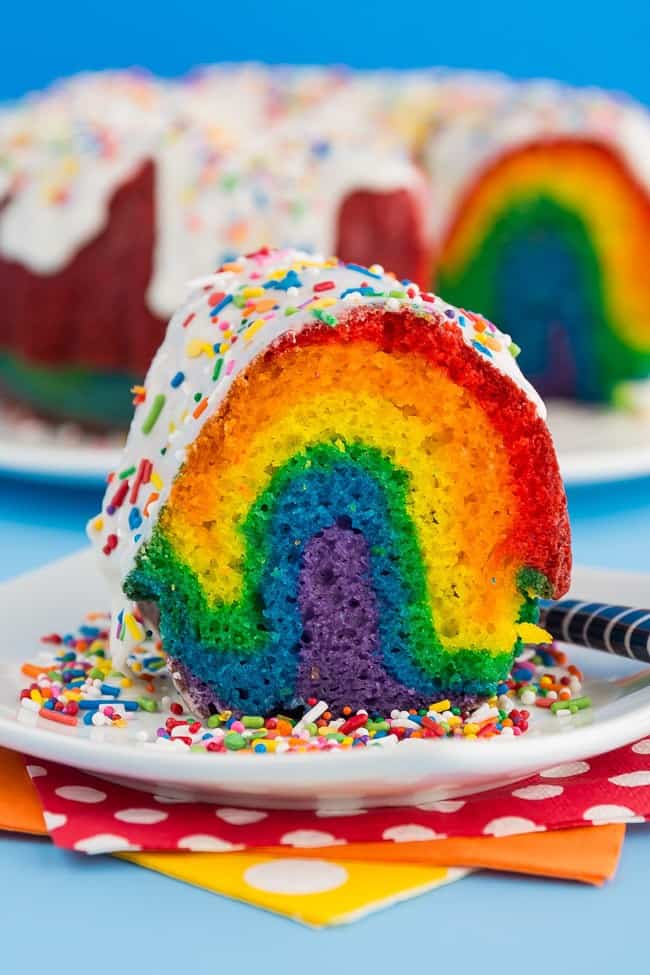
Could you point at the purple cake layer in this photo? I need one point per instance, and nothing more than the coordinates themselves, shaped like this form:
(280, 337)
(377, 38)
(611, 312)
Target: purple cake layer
(338, 658)
(199, 697)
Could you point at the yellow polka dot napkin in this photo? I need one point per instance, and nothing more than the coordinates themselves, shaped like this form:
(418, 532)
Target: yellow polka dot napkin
(321, 886)
(316, 891)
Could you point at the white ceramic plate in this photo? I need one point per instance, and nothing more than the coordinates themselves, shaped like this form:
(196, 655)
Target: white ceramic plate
(596, 445)
(57, 596)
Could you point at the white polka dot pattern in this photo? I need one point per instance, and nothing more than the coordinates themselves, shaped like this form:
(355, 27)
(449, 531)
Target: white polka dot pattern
(297, 877)
(411, 833)
(309, 837)
(442, 805)
(632, 780)
(538, 792)
(240, 817)
(565, 771)
(511, 826)
(54, 820)
(80, 793)
(610, 788)
(144, 817)
(104, 843)
(610, 813)
(204, 843)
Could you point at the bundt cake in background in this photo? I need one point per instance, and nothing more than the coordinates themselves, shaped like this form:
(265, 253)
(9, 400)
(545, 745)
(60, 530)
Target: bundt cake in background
(119, 188)
(335, 487)
(528, 201)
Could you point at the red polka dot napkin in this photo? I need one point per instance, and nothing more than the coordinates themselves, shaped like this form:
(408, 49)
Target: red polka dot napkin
(94, 816)
(584, 854)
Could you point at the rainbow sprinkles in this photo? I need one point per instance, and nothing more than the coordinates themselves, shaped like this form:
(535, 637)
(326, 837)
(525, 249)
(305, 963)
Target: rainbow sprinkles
(72, 684)
(335, 487)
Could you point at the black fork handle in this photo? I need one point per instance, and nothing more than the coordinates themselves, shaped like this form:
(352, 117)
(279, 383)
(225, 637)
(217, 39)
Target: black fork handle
(621, 630)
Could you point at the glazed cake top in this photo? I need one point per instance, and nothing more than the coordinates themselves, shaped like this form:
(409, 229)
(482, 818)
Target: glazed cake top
(242, 155)
(245, 154)
(492, 119)
(228, 318)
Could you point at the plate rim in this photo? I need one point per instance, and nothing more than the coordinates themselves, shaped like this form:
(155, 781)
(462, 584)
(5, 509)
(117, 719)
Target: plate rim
(156, 763)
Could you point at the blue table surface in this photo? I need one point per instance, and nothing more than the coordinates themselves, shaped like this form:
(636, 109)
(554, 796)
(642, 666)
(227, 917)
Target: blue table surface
(59, 910)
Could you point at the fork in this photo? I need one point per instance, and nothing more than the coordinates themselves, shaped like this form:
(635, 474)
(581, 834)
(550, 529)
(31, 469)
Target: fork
(621, 630)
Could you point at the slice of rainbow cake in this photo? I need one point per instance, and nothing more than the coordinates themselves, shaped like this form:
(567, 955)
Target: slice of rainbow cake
(335, 486)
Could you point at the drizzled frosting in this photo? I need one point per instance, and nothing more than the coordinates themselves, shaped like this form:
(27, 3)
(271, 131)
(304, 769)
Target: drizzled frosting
(481, 119)
(264, 154)
(63, 154)
(242, 155)
(248, 154)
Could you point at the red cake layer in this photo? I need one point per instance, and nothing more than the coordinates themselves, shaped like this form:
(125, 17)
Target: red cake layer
(535, 473)
(92, 312)
(386, 228)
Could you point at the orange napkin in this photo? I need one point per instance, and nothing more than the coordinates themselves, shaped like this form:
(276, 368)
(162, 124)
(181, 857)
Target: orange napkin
(589, 854)
(20, 809)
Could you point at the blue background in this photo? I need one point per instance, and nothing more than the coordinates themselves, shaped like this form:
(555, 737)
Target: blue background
(574, 40)
(58, 910)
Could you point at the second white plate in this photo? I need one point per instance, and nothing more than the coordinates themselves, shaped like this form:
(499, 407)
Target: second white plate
(34, 449)
(596, 445)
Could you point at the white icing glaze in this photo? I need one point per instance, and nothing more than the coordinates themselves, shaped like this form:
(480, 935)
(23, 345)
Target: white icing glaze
(269, 155)
(68, 151)
(295, 202)
(242, 155)
(188, 348)
(480, 121)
